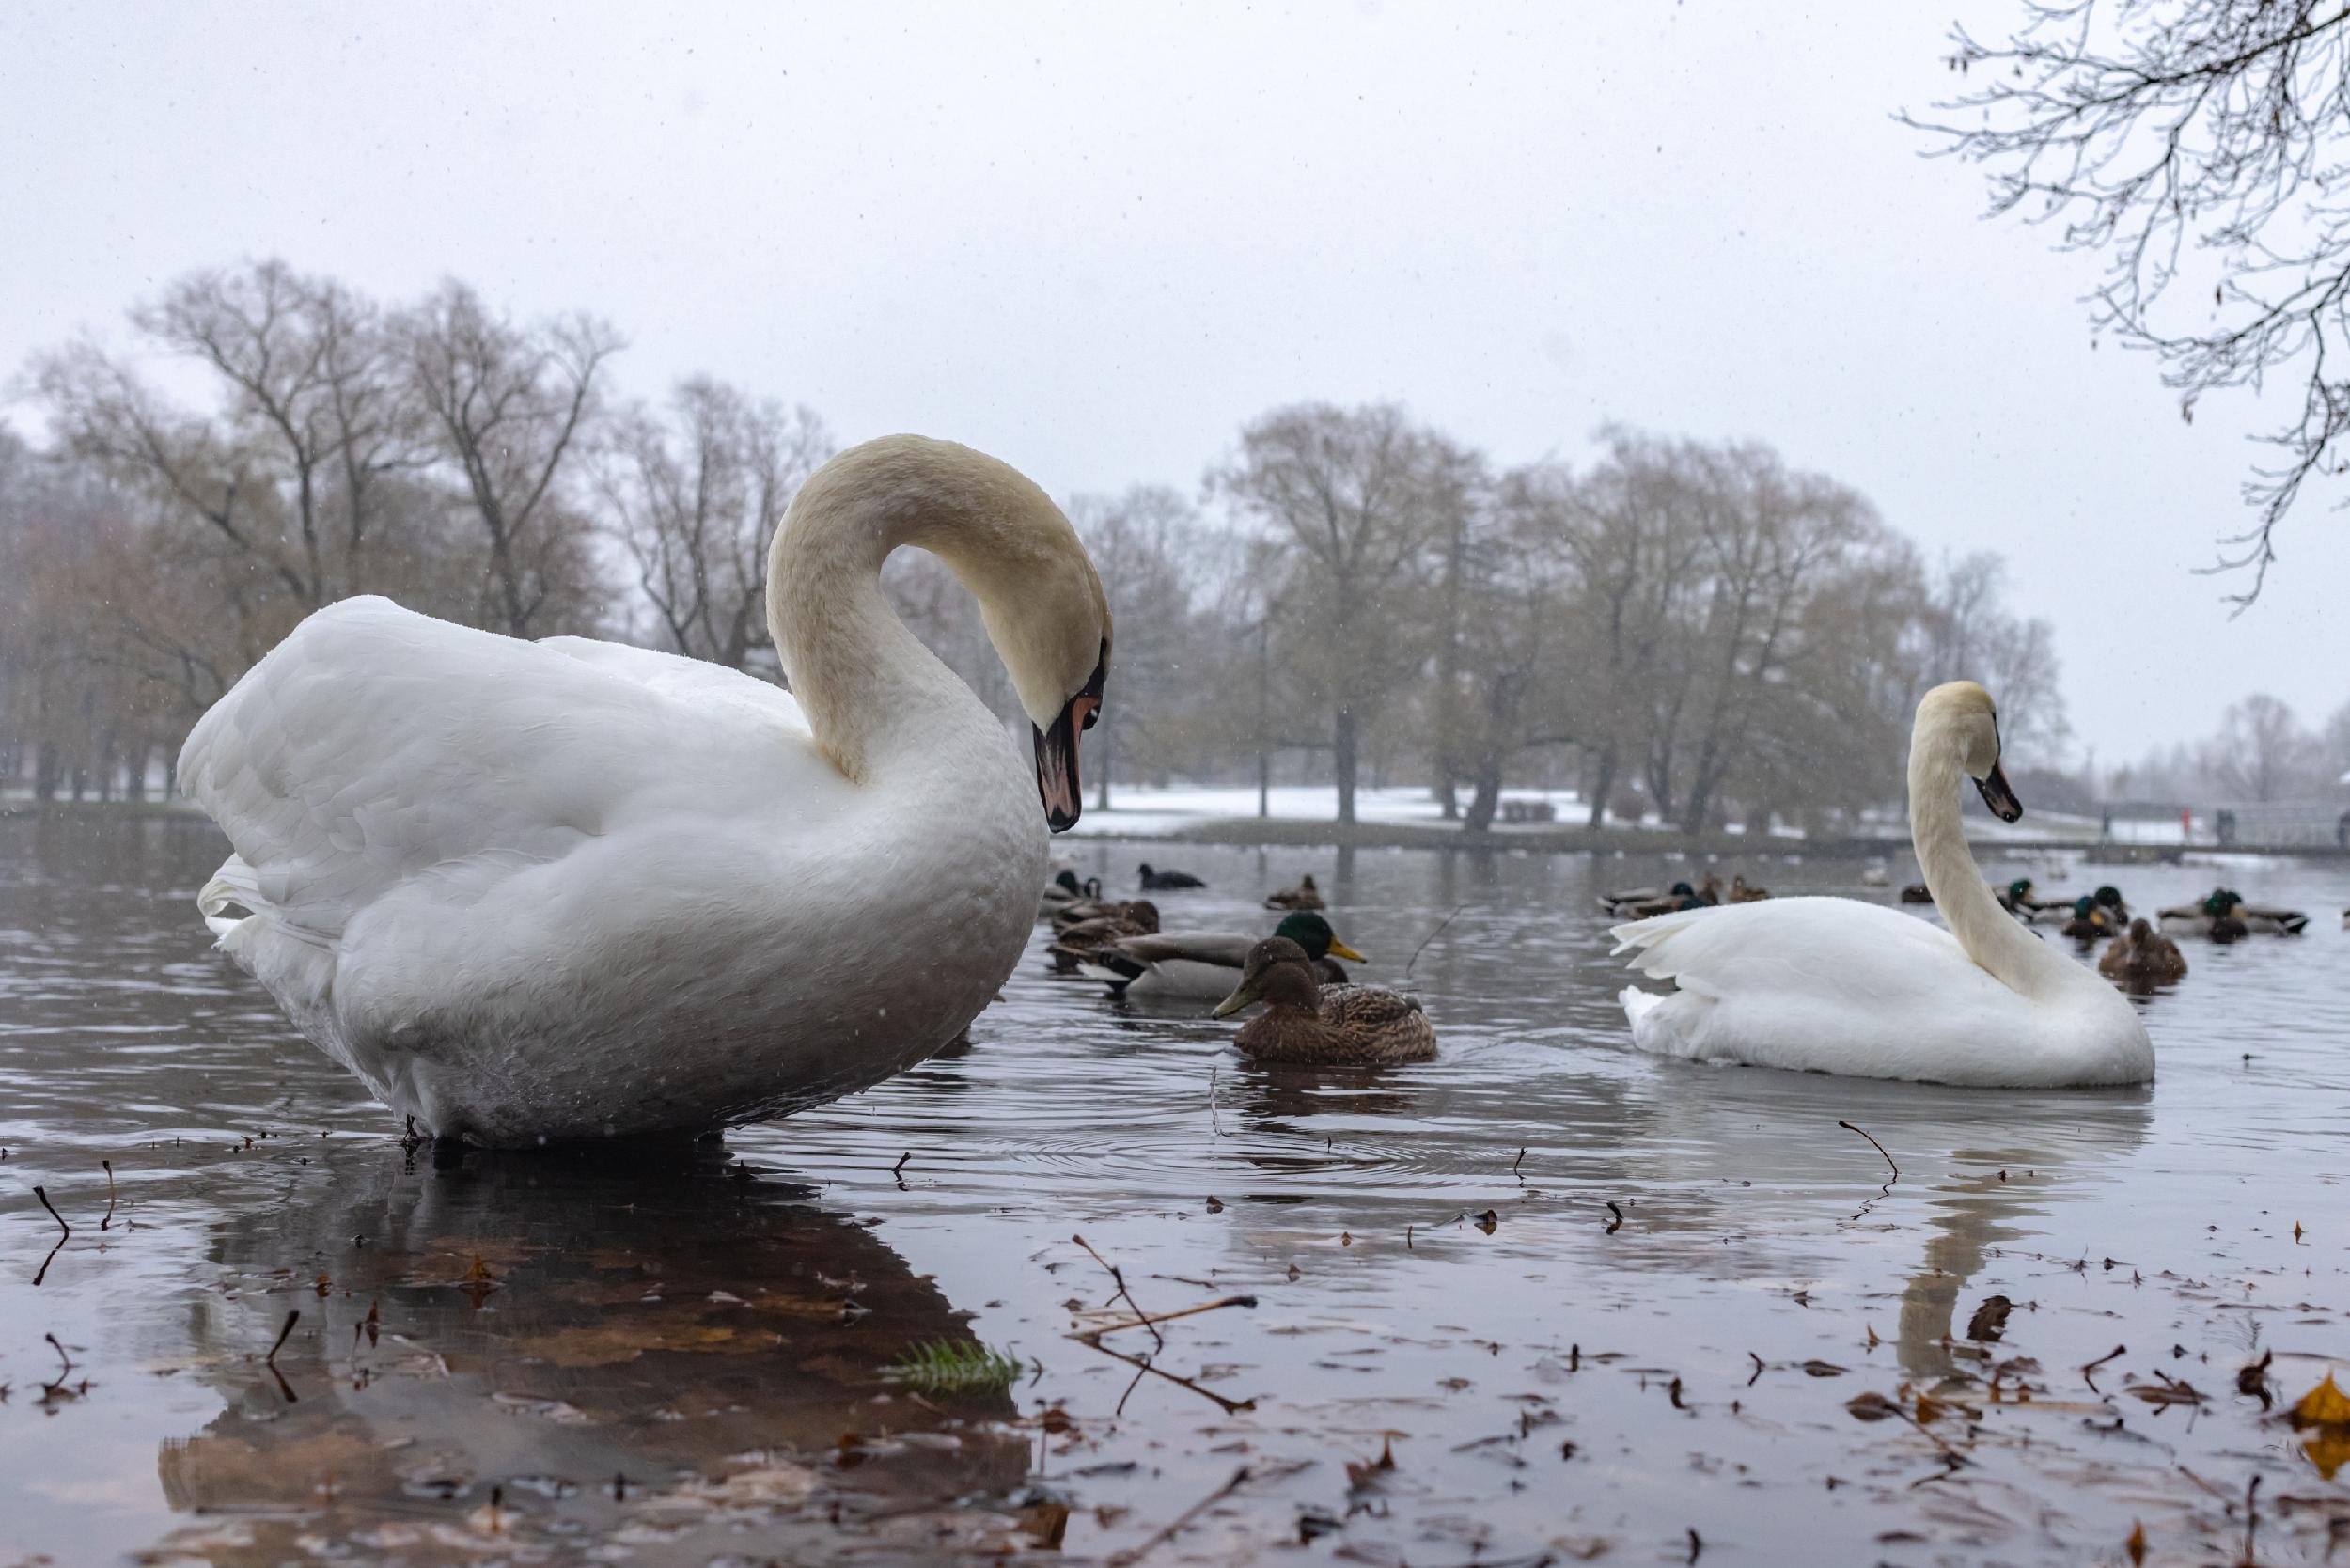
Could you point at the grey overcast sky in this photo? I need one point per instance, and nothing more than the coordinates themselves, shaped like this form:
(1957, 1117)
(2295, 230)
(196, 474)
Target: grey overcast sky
(1094, 238)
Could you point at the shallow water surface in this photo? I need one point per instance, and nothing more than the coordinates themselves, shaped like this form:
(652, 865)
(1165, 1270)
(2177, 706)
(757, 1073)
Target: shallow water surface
(1545, 1299)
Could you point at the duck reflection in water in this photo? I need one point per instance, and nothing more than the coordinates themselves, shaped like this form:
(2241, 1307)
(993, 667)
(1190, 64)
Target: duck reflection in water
(560, 1347)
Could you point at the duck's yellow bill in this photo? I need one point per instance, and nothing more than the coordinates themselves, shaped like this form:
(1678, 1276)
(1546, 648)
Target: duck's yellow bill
(1340, 949)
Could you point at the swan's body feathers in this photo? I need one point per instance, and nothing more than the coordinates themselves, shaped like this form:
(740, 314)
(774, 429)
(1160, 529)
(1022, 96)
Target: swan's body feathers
(534, 891)
(1842, 985)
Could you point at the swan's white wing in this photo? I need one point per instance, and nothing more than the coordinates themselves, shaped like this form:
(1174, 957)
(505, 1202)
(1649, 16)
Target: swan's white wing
(1824, 985)
(375, 747)
(693, 680)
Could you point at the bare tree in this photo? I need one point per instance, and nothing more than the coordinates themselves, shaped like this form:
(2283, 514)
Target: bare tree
(1362, 497)
(1631, 528)
(2194, 144)
(290, 467)
(509, 407)
(2260, 753)
(1511, 574)
(697, 497)
(1965, 631)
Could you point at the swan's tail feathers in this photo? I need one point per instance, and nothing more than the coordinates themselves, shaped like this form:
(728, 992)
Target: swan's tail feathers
(1637, 1004)
(235, 885)
(1652, 939)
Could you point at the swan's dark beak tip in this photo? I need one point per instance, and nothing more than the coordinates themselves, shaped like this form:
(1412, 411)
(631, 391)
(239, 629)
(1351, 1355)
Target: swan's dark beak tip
(1057, 782)
(1998, 795)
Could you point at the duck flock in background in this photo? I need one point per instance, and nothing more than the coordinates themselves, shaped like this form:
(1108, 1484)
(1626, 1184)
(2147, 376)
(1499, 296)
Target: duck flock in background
(1314, 1014)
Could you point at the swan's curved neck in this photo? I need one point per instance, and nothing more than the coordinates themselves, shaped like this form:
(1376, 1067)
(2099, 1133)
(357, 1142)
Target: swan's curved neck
(858, 674)
(1992, 937)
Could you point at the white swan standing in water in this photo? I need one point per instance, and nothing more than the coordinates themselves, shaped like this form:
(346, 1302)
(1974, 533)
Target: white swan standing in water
(1837, 985)
(530, 891)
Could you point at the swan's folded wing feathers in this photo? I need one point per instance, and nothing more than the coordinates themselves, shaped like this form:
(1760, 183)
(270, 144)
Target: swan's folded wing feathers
(1810, 949)
(341, 767)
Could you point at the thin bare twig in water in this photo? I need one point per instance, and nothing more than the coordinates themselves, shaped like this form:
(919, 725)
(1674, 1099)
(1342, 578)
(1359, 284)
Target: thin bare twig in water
(898, 1170)
(1886, 1190)
(1166, 1317)
(2091, 1367)
(1119, 1279)
(1616, 1224)
(1431, 936)
(42, 1273)
(1230, 1407)
(42, 1193)
(1134, 1382)
(64, 1371)
(1124, 1559)
(2252, 1519)
(109, 1218)
(270, 1359)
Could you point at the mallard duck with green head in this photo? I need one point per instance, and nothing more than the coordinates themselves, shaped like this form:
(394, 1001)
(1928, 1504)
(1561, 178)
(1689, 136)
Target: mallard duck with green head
(1638, 903)
(1204, 966)
(2087, 920)
(2223, 915)
(1346, 1025)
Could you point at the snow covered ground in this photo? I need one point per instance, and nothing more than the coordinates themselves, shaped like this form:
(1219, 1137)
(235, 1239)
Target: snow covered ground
(1135, 809)
(1147, 812)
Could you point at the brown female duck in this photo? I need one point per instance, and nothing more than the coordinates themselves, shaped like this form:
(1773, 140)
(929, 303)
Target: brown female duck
(1348, 1026)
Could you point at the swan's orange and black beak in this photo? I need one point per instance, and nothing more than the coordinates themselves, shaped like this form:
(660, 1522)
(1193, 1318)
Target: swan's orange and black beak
(1056, 779)
(1998, 796)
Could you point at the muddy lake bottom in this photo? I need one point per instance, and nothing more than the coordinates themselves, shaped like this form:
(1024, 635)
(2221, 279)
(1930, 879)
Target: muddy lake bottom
(1545, 1300)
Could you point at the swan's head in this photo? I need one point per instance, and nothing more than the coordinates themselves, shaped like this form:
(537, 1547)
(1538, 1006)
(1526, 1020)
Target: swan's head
(1005, 540)
(1044, 611)
(1961, 714)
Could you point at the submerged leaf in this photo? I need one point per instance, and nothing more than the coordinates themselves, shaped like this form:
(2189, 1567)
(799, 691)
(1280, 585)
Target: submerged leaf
(1990, 1319)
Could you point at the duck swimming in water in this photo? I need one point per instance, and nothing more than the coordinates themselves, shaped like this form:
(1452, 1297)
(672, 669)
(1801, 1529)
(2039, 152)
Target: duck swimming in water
(1346, 1025)
(1204, 966)
(1304, 895)
(2089, 921)
(1168, 882)
(1637, 904)
(2142, 957)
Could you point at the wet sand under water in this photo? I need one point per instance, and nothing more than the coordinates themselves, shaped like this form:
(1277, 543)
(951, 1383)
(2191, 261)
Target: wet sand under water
(1761, 1353)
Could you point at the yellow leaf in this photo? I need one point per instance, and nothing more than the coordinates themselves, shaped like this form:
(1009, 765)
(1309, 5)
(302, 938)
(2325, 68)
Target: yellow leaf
(2136, 1544)
(2328, 1447)
(2324, 1405)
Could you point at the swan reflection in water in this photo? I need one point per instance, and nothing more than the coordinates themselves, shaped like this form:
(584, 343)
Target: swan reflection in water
(663, 1350)
(1996, 1167)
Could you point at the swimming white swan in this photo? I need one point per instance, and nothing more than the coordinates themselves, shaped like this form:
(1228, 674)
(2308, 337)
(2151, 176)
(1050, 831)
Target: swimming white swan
(1837, 985)
(566, 888)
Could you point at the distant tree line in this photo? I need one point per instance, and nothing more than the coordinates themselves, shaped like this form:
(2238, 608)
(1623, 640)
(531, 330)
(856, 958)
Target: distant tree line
(1690, 631)
(2260, 754)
